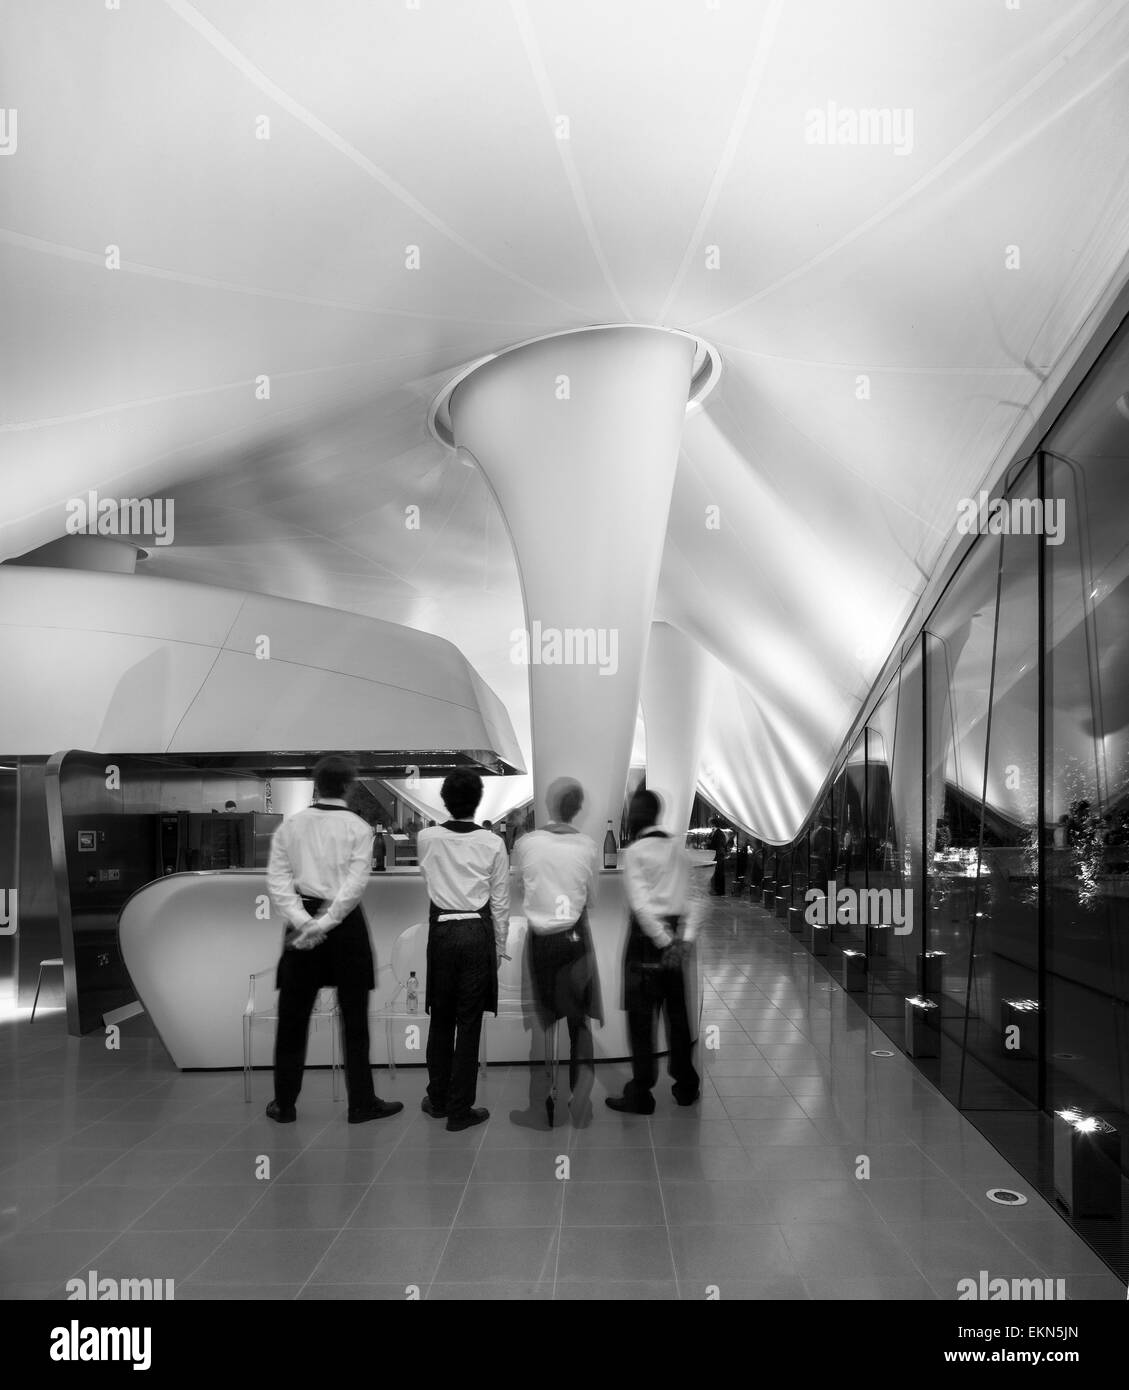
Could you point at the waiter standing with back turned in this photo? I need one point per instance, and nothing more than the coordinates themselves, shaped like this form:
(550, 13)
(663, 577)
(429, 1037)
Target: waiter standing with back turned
(656, 876)
(467, 875)
(320, 861)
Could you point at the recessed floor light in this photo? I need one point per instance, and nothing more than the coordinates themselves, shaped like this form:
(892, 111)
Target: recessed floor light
(1006, 1197)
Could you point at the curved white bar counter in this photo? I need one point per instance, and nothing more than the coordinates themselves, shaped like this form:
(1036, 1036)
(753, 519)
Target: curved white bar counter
(191, 942)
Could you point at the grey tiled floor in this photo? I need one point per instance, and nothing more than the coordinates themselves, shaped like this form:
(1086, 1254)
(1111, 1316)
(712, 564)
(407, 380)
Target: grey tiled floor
(118, 1163)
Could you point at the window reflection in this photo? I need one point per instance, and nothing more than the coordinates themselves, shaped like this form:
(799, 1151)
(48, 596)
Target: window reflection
(992, 781)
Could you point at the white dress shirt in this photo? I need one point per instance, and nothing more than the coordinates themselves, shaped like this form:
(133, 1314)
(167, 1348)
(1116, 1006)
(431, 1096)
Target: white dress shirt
(656, 873)
(465, 870)
(320, 854)
(558, 869)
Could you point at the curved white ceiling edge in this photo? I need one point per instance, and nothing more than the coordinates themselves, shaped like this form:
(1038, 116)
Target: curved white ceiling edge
(126, 663)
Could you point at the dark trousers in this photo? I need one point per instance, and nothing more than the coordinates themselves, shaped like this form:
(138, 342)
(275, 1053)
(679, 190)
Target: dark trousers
(458, 982)
(295, 1004)
(717, 886)
(344, 961)
(651, 989)
(580, 1055)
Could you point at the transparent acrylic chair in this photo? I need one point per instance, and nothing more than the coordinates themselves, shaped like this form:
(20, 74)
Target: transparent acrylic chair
(513, 988)
(409, 953)
(259, 1010)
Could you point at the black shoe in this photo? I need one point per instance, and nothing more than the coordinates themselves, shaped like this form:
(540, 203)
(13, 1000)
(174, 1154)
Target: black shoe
(378, 1110)
(281, 1114)
(472, 1117)
(682, 1098)
(437, 1112)
(626, 1105)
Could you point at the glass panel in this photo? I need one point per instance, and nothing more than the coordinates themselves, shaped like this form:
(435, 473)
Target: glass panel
(9, 902)
(800, 879)
(881, 831)
(982, 819)
(1087, 789)
(893, 835)
(821, 854)
(850, 789)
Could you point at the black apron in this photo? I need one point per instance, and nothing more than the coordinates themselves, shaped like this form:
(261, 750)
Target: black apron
(343, 958)
(543, 968)
(486, 917)
(543, 965)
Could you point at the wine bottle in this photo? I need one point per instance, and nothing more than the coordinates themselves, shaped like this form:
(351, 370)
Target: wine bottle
(611, 854)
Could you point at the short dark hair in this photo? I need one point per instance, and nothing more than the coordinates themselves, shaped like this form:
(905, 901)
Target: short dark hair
(564, 799)
(644, 811)
(461, 793)
(334, 775)
(572, 798)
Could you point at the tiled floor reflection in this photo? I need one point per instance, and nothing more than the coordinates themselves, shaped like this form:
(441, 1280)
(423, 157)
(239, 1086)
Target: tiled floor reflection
(810, 1170)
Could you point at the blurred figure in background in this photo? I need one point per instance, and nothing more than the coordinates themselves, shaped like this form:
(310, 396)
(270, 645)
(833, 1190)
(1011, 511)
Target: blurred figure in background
(741, 866)
(821, 854)
(718, 843)
(656, 872)
(468, 881)
(557, 867)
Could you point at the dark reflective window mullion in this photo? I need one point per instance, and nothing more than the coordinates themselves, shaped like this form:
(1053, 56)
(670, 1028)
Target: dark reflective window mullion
(976, 887)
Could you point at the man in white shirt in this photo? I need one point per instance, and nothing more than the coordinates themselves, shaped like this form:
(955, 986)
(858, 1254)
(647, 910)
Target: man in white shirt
(467, 876)
(319, 864)
(557, 867)
(656, 872)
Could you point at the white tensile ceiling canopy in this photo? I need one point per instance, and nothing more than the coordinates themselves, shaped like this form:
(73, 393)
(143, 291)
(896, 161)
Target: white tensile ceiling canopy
(897, 222)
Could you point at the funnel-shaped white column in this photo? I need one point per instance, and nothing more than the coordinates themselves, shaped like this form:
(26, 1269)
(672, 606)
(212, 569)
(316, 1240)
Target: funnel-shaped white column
(677, 697)
(578, 436)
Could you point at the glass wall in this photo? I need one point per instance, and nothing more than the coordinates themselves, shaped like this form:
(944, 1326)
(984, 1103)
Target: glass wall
(981, 819)
(9, 874)
(987, 800)
(1087, 788)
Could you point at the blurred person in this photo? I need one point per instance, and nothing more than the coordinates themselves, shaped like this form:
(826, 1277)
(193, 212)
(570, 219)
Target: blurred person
(320, 861)
(558, 868)
(656, 871)
(847, 852)
(741, 866)
(756, 877)
(467, 876)
(821, 854)
(718, 843)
